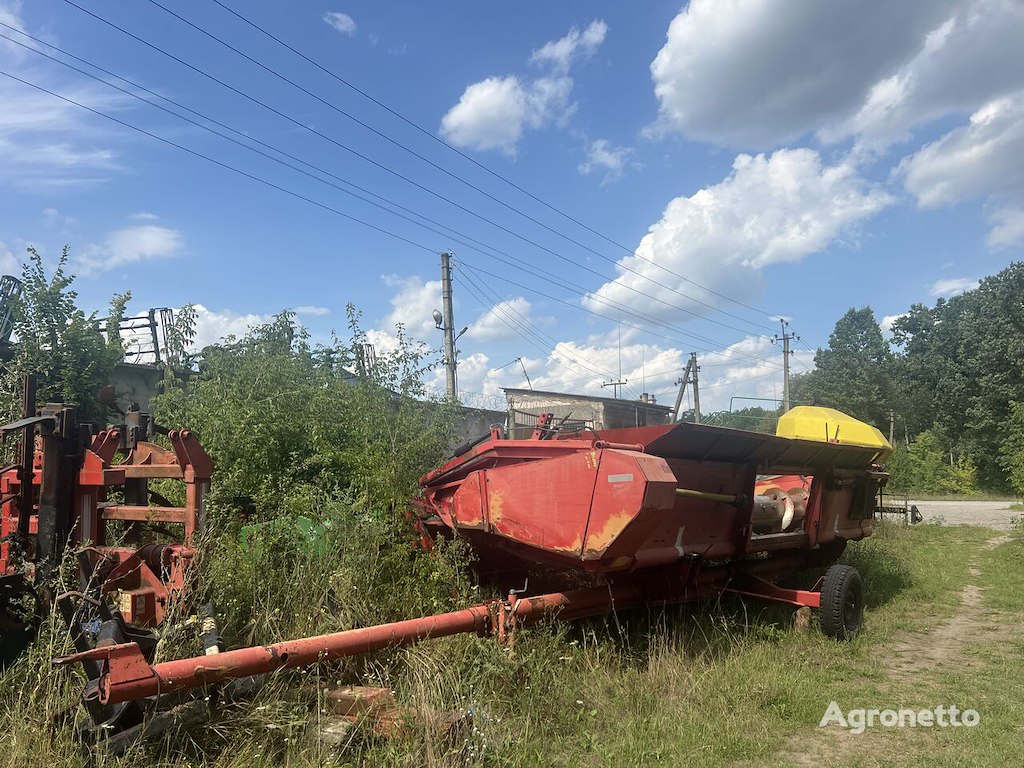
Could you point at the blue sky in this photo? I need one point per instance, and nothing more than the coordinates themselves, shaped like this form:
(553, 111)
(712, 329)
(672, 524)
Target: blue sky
(692, 172)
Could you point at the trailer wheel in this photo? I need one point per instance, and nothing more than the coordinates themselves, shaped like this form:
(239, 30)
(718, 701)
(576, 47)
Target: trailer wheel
(842, 602)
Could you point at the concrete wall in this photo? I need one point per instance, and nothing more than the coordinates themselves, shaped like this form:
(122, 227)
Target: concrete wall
(136, 383)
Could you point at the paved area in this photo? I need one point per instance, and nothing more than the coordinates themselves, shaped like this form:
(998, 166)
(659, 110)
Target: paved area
(992, 514)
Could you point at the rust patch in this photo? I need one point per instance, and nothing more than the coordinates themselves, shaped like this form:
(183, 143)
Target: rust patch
(495, 505)
(599, 540)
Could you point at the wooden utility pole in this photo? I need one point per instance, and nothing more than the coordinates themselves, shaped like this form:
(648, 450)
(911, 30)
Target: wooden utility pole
(785, 338)
(616, 385)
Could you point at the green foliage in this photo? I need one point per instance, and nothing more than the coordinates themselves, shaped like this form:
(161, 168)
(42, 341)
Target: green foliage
(284, 420)
(925, 467)
(755, 419)
(1011, 453)
(59, 343)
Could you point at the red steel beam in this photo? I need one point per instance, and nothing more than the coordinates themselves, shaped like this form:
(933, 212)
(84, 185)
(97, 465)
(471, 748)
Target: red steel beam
(126, 676)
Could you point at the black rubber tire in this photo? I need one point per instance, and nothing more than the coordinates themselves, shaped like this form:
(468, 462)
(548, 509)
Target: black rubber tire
(842, 602)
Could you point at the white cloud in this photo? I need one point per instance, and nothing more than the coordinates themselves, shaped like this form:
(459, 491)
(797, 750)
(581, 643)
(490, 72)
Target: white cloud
(503, 321)
(9, 264)
(560, 53)
(952, 286)
(492, 114)
(412, 306)
(1008, 229)
(601, 155)
(145, 216)
(984, 157)
(740, 72)
(307, 309)
(47, 143)
(770, 209)
(887, 322)
(341, 22)
(212, 327)
(973, 56)
(128, 246)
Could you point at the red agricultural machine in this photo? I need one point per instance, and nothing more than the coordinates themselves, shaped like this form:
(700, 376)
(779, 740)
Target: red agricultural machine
(648, 515)
(63, 495)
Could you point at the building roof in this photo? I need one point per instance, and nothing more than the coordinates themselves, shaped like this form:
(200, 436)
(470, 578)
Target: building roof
(591, 398)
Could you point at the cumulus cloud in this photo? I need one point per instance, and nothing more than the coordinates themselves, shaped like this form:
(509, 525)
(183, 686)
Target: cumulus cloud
(741, 73)
(770, 209)
(969, 59)
(952, 286)
(502, 321)
(984, 157)
(492, 114)
(560, 53)
(602, 156)
(412, 306)
(128, 246)
(9, 264)
(212, 326)
(1007, 229)
(342, 22)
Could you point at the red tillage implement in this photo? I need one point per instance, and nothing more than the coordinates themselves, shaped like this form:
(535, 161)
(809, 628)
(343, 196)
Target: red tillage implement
(662, 514)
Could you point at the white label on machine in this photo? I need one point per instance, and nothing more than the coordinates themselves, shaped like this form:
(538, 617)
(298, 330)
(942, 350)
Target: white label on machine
(626, 478)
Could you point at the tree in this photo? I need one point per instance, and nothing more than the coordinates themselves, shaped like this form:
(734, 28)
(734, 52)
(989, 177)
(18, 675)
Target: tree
(854, 373)
(963, 365)
(60, 344)
(925, 467)
(286, 421)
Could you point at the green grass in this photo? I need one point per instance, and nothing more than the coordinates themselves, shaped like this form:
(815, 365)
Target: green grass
(705, 685)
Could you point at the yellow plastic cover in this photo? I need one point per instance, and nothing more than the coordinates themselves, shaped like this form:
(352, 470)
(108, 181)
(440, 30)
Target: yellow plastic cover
(811, 422)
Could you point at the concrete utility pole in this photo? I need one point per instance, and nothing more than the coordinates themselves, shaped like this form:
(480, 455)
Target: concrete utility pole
(689, 377)
(786, 352)
(696, 388)
(892, 425)
(448, 326)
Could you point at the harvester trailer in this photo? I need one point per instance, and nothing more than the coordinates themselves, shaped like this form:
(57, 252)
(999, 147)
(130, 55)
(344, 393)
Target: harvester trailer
(647, 515)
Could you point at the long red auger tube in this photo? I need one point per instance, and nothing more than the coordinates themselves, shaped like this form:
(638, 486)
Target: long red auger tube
(126, 676)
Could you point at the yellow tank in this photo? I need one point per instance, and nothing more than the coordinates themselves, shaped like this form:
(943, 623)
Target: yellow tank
(810, 422)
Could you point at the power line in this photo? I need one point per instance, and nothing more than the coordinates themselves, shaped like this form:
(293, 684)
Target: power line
(459, 237)
(535, 332)
(481, 166)
(549, 352)
(233, 168)
(226, 166)
(582, 308)
(391, 171)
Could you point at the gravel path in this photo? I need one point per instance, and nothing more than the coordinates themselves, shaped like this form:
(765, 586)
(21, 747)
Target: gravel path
(991, 514)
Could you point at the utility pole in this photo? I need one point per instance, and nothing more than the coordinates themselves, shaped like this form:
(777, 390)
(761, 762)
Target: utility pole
(689, 376)
(449, 323)
(892, 425)
(786, 352)
(696, 388)
(445, 323)
(616, 385)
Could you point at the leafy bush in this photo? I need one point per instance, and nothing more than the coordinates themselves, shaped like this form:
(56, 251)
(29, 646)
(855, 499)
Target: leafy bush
(924, 467)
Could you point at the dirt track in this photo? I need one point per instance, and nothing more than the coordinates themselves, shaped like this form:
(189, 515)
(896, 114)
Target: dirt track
(991, 514)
